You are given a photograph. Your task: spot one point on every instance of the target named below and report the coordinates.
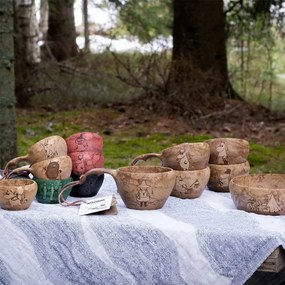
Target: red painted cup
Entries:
(84, 142)
(84, 161)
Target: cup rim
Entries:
(94, 135)
(14, 182)
(194, 171)
(229, 139)
(186, 144)
(235, 181)
(145, 169)
(215, 165)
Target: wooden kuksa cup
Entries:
(84, 142)
(55, 168)
(84, 161)
(221, 175)
(140, 187)
(259, 193)
(17, 194)
(190, 184)
(185, 156)
(47, 148)
(228, 150)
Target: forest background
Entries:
(196, 70)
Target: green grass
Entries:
(267, 159)
(121, 148)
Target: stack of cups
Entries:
(190, 164)
(228, 158)
(86, 152)
(50, 166)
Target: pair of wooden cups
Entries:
(228, 159)
(48, 159)
(86, 152)
(190, 164)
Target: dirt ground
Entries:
(236, 119)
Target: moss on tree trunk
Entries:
(8, 133)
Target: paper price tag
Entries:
(95, 205)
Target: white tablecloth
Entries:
(194, 241)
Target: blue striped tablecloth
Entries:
(200, 241)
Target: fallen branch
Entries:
(218, 113)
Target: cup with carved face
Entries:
(55, 168)
(140, 187)
(259, 193)
(85, 160)
(47, 148)
(17, 194)
(191, 183)
(221, 175)
(228, 150)
(84, 142)
(185, 156)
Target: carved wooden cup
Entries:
(84, 141)
(221, 175)
(84, 161)
(48, 189)
(140, 187)
(185, 156)
(190, 184)
(89, 188)
(228, 150)
(46, 148)
(17, 194)
(259, 193)
(55, 168)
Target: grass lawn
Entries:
(122, 145)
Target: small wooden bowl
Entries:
(221, 175)
(228, 150)
(17, 194)
(259, 193)
(190, 184)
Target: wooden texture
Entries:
(271, 271)
(275, 261)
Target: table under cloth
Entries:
(192, 241)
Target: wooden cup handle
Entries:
(14, 162)
(145, 157)
(17, 171)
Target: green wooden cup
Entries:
(48, 189)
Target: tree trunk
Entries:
(43, 26)
(27, 50)
(8, 133)
(61, 29)
(199, 60)
(86, 25)
(28, 29)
